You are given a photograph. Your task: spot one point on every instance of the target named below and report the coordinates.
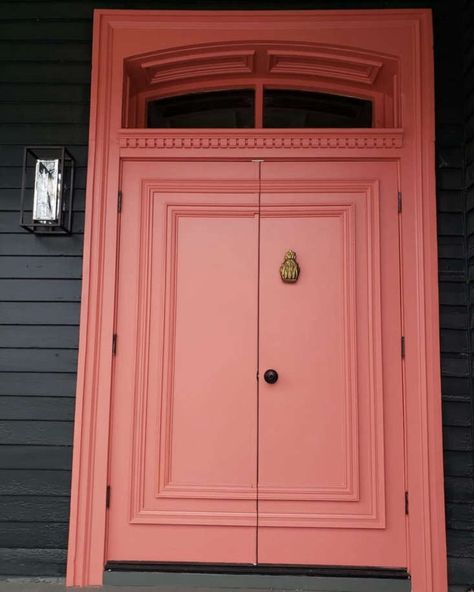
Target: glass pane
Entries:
(296, 108)
(224, 108)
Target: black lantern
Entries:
(47, 190)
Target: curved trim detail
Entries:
(217, 59)
(310, 66)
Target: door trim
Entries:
(407, 35)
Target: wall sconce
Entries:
(47, 190)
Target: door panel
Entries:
(331, 429)
(184, 447)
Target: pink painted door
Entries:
(209, 465)
(183, 468)
(330, 464)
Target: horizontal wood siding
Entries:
(463, 515)
(45, 70)
(45, 49)
(450, 26)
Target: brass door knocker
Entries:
(289, 270)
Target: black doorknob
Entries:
(270, 376)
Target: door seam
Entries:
(259, 163)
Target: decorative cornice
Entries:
(386, 138)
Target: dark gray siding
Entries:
(454, 292)
(465, 509)
(45, 49)
(45, 72)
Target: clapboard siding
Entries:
(456, 413)
(458, 464)
(38, 336)
(47, 73)
(38, 313)
(38, 384)
(43, 133)
(40, 432)
(37, 408)
(465, 517)
(34, 482)
(46, 62)
(35, 246)
(65, 52)
(45, 50)
(45, 268)
(461, 515)
(39, 93)
(38, 360)
(456, 363)
(35, 509)
(63, 290)
(39, 457)
(48, 535)
(25, 562)
(44, 29)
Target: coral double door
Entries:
(209, 462)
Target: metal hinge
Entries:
(114, 344)
(399, 202)
(107, 497)
(403, 347)
(406, 503)
(119, 201)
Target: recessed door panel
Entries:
(331, 428)
(184, 451)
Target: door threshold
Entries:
(263, 577)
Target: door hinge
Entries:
(403, 347)
(119, 201)
(399, 202)
(107, 497)
(406, 503)
(114, 344)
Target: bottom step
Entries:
(224, 581)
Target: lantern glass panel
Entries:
(47, 192)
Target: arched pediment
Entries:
(306, 66)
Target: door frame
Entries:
(405, 36)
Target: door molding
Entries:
(406, 36)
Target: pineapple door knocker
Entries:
(289, 270)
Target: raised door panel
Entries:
(331, 478)
(184, 449)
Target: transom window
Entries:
(274, 108)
